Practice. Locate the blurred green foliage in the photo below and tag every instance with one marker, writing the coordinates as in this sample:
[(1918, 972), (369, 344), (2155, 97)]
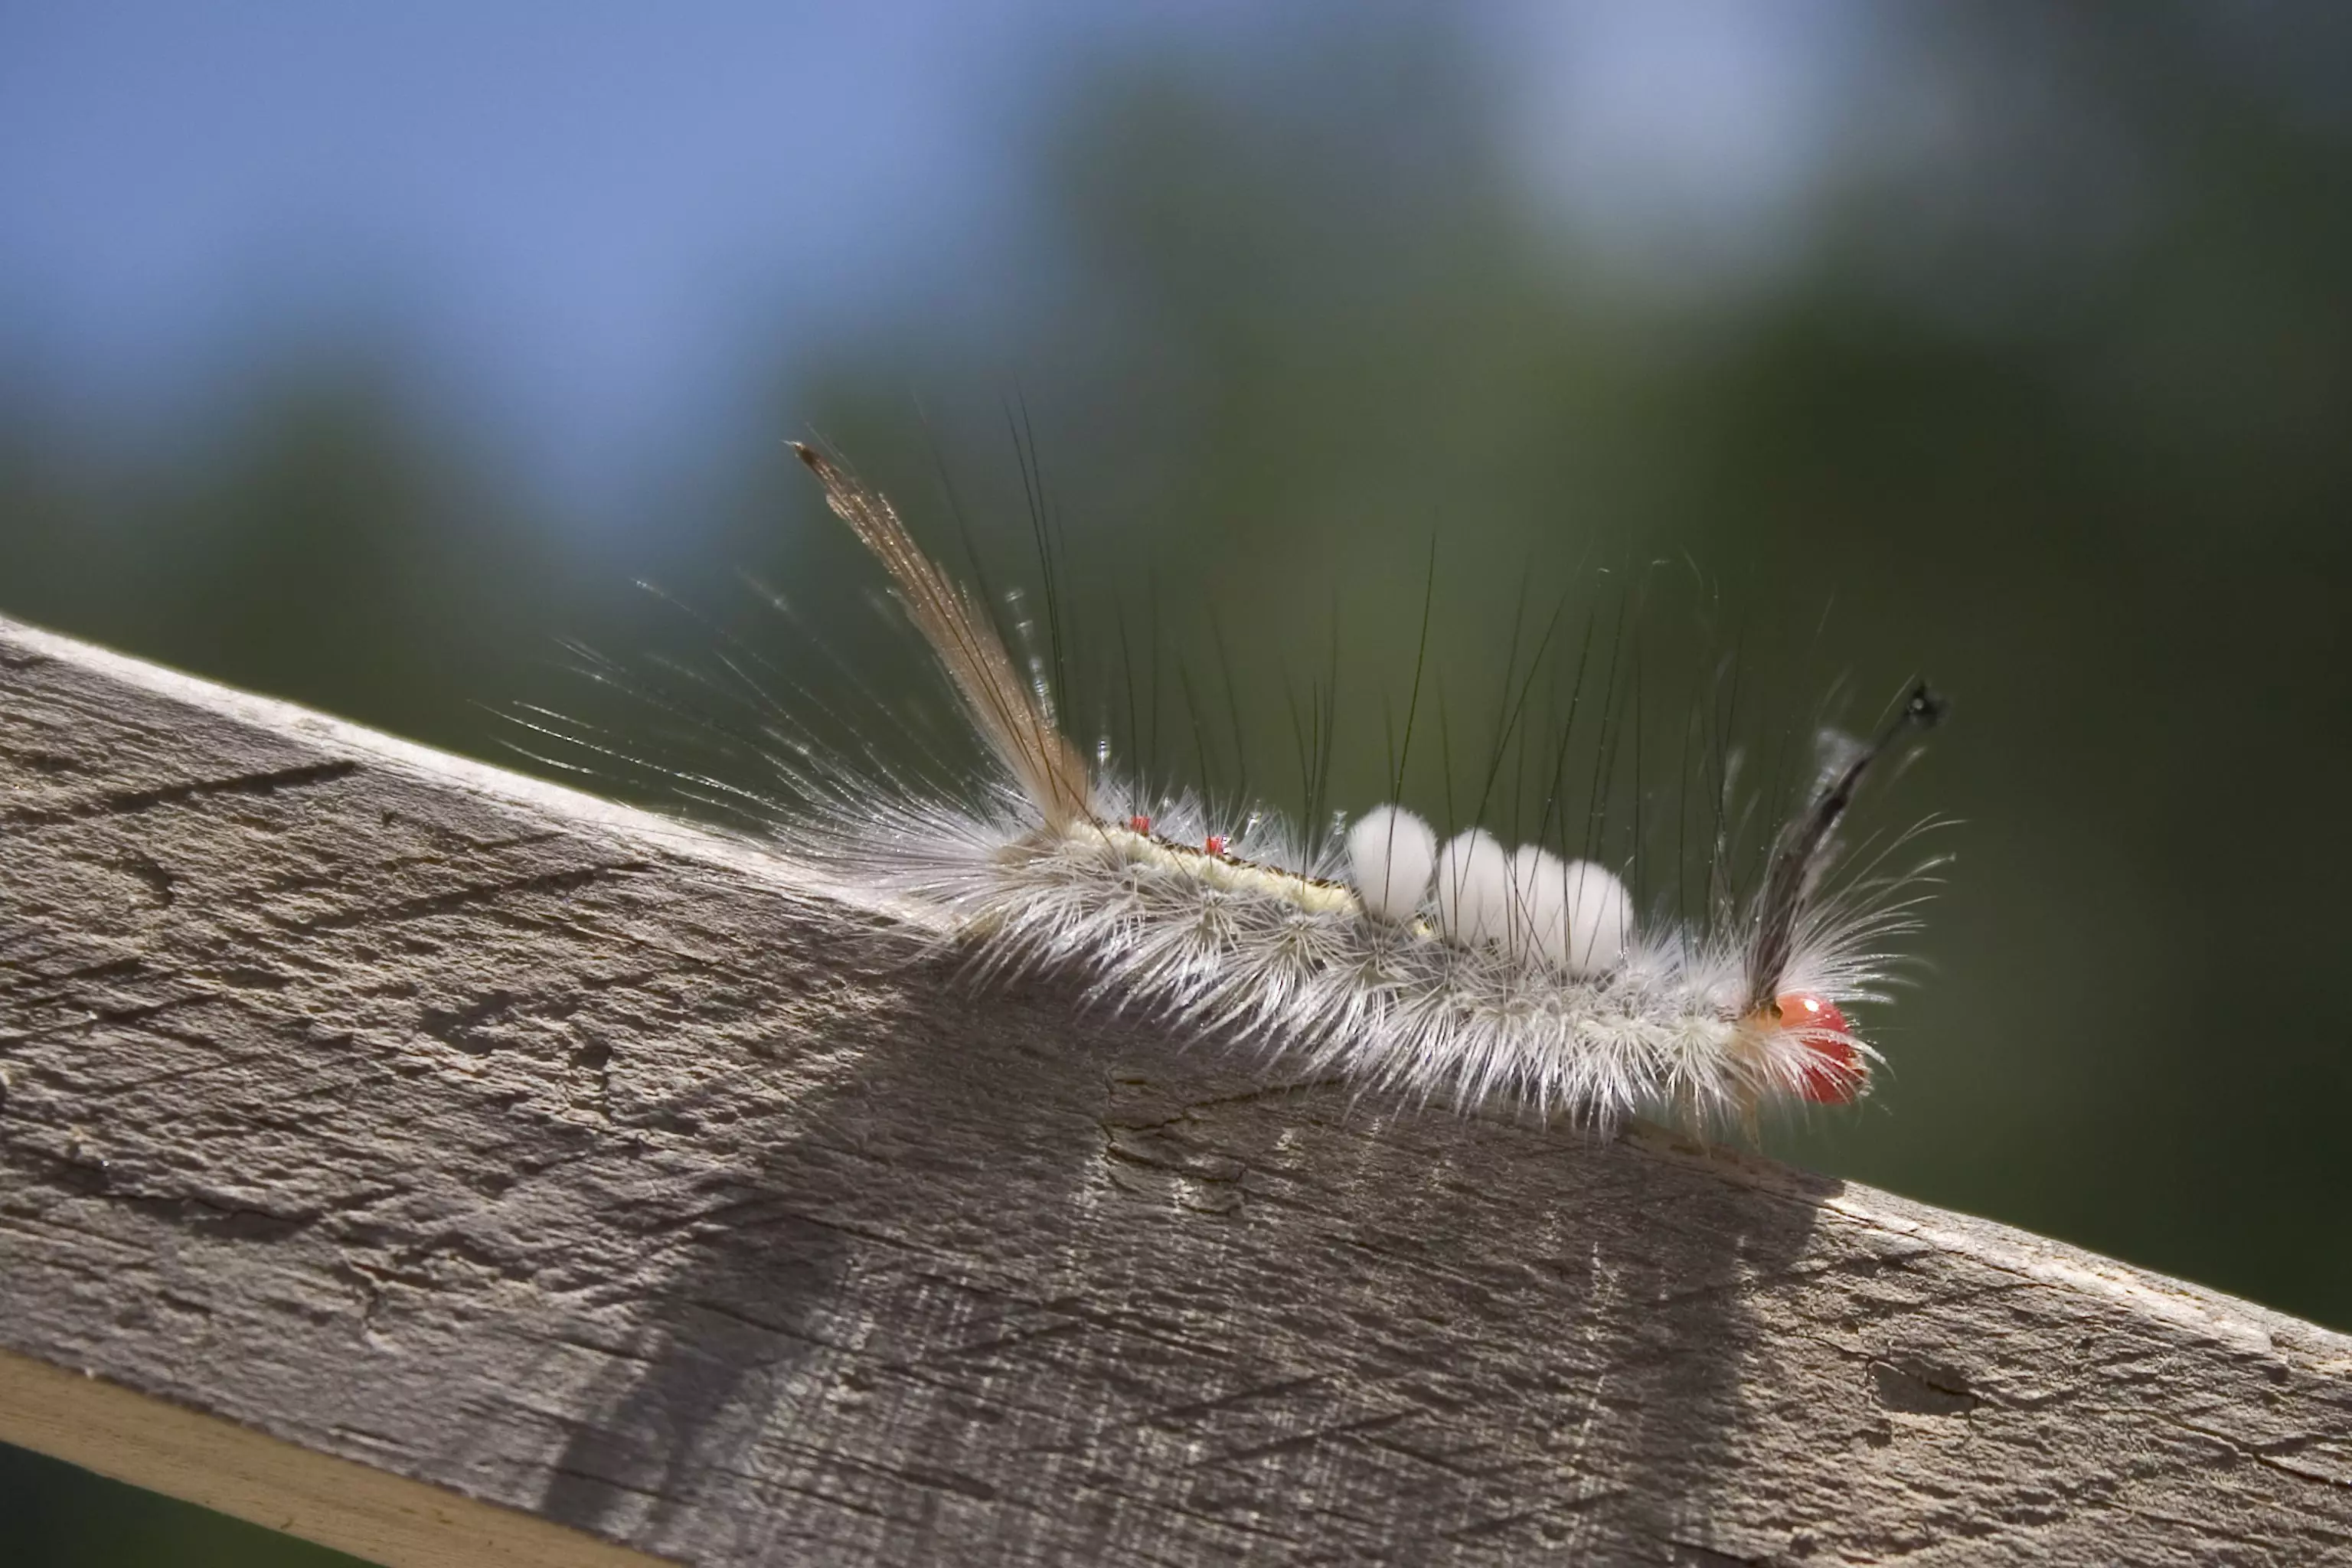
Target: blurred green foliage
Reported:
[(2052, 398), (58, 1514)]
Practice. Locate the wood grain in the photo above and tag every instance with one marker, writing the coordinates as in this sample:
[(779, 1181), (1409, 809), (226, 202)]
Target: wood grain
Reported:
[(418, 1115)]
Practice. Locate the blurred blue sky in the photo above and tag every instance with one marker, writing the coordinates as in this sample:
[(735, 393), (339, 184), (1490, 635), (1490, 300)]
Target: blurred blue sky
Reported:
[(583, 226)]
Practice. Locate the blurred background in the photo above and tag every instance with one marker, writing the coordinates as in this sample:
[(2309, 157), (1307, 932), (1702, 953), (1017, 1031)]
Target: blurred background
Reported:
[(362, 356)]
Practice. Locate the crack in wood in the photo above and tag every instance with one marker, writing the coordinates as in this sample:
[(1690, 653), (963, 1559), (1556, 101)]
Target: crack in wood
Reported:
[(129, 802)]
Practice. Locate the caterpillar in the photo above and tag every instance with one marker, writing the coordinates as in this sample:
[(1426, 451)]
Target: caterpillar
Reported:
[(1465, 970)]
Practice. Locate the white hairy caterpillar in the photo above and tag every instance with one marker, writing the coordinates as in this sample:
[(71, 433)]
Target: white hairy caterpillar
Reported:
[(1470, 970)]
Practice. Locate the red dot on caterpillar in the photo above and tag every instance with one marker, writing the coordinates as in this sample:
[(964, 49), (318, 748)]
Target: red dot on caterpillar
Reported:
[(1837, 1073), (1215, 844), (1140, 823)]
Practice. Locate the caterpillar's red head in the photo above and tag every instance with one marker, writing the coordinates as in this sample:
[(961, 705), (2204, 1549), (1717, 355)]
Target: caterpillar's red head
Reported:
[(1834, 1072)]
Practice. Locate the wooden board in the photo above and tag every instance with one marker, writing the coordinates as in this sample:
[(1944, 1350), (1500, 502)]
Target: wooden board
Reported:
[(418, 1115)]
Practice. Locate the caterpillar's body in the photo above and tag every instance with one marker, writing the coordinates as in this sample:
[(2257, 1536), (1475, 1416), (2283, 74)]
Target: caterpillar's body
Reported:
[(1465, 970)]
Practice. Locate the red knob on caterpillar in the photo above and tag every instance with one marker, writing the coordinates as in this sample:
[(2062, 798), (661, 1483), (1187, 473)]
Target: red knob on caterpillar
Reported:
[(1837, 1073)]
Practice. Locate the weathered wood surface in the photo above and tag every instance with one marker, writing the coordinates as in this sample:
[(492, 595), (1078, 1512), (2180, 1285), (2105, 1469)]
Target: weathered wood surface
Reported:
[(484, 1134)]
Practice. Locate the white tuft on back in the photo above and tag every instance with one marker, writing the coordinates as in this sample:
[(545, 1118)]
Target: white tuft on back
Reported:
[(1474, 888), (1390, 854), (1538, 926), (1600, 923)]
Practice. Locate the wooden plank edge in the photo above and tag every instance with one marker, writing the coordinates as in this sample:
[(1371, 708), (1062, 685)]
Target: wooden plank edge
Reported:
[(2044, 1260), (217, 1464), (2148, 1296), (575, 808), (237, 1470)]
